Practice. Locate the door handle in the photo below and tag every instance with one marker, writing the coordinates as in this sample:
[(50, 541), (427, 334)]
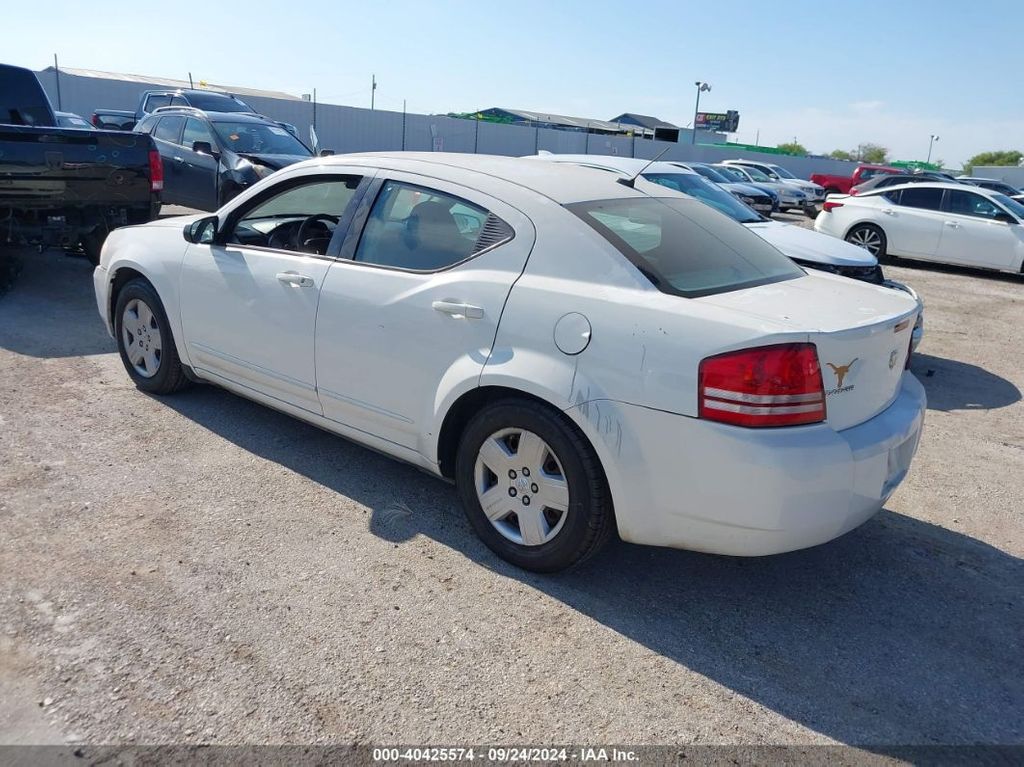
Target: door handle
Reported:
[(952, 224), (178, 159), (459, 310), (889, 211), (296, 279)]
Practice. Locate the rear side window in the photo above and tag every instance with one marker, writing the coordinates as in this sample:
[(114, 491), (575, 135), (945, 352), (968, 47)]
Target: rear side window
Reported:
[(156, 101), (412, 227), (928, 199), (684, 247), (169, 129)]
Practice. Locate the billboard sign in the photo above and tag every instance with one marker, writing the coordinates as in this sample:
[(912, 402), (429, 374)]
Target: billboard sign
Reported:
[(722, 122)]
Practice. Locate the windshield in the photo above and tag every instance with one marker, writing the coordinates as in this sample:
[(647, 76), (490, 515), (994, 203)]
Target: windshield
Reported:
[(1010, 204), (258, 138), (757, 175), (218, 103), (712, 174), (731, 174), (684, 247), (781, 172), (705, 191)]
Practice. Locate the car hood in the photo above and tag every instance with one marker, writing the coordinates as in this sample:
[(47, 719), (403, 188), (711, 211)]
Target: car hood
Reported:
[(800, 184), (275, 161), (742, 188), (807, 245)]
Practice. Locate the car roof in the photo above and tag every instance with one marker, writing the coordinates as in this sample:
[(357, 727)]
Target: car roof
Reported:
[(568, 184), (629, 166), (933, 185)]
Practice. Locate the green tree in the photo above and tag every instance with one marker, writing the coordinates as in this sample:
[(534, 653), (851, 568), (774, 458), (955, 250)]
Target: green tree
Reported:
[(1004, 157), (792, 147), (841, 154), (872, 153)]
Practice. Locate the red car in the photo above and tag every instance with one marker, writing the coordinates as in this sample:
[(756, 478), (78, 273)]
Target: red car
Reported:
[(843, 184)]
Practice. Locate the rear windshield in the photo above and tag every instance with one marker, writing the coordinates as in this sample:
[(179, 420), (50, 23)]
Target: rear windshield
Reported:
[(684, 247)]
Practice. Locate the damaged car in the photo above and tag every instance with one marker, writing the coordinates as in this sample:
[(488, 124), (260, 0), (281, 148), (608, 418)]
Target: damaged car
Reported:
[(210, 157)]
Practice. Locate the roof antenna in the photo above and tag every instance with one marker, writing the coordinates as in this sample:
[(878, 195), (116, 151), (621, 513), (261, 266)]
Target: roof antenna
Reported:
[(631, 182)]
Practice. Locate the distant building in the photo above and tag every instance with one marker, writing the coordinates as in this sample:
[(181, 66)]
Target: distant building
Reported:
[(566, 122), (651, 126)]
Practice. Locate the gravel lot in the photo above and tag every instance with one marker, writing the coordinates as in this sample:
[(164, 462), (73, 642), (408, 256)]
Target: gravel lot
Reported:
[(202, 569)]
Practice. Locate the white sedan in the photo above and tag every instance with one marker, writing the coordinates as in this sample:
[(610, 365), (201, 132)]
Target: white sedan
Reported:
[(577, 356), (951, 223)]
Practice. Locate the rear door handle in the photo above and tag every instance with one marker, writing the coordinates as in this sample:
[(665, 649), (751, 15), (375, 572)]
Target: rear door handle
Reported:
[(459, 310), (889, 211), (296, 279), (952, 224), (179, 159)]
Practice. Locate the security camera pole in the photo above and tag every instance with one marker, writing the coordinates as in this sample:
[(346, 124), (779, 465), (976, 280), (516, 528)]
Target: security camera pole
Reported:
[(701, 86)]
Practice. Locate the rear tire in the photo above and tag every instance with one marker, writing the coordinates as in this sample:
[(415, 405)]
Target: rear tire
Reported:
[(548, 500), (145, 342), (869, 237), (92, 245)]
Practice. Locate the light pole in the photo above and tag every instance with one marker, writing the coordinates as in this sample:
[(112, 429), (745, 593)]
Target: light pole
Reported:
[(931, 140), (701, 86)]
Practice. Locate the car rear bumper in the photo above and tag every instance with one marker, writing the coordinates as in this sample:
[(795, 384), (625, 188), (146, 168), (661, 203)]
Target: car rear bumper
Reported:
[(688, 483)]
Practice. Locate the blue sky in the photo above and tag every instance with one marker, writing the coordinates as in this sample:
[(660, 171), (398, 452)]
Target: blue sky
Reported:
[(831, 74)]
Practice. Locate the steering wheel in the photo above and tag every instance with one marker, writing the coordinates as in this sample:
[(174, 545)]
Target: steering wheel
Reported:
[(303, 236)]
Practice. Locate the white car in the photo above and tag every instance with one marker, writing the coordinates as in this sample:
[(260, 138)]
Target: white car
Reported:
[(578, 356), (790, 198), (947, 222), (808, 248), (815, 192)]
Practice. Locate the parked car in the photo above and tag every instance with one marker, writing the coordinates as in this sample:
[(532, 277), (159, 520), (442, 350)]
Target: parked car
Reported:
[(932, 221), (763, 200), (790, 198), (994, 185), (835, 184), (807, 248), (151, 100), (66, 186), (815, 193), (212, 156), (578, 356), (71, 120), (883, 180)]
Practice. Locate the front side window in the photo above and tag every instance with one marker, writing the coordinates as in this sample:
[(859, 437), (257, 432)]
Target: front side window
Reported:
[(169, 129), (970, 204), (301, 218), (196, 130), (683, 247), (412, 227), (919, 197)]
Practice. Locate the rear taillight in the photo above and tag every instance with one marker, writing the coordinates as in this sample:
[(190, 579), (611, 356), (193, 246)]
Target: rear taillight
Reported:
[(156, 171), (776, 385), (827, 206)]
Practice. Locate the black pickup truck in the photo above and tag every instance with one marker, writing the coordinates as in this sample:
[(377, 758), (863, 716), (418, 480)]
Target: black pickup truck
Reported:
[(68, 186)]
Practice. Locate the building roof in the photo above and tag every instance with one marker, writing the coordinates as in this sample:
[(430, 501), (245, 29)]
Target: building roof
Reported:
[(583, 123), (167, 82), (644, 121)]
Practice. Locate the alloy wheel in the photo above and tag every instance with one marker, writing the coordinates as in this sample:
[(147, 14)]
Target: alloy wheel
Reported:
[(866, 238)]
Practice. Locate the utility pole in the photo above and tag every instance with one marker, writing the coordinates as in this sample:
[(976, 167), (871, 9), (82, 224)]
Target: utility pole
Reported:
[(701, 86), (191, 85), (931, 140), (373, 90)]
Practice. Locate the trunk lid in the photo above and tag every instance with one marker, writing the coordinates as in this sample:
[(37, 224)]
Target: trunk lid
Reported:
[(862, 333)]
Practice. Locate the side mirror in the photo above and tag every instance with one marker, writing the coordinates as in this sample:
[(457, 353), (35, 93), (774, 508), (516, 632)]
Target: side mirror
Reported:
[(326, 152), (202, 231), (204, 147)]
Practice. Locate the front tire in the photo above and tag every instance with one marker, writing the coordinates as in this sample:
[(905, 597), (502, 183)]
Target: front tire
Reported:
[(145, 342), (532, 487), (869, 237)]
